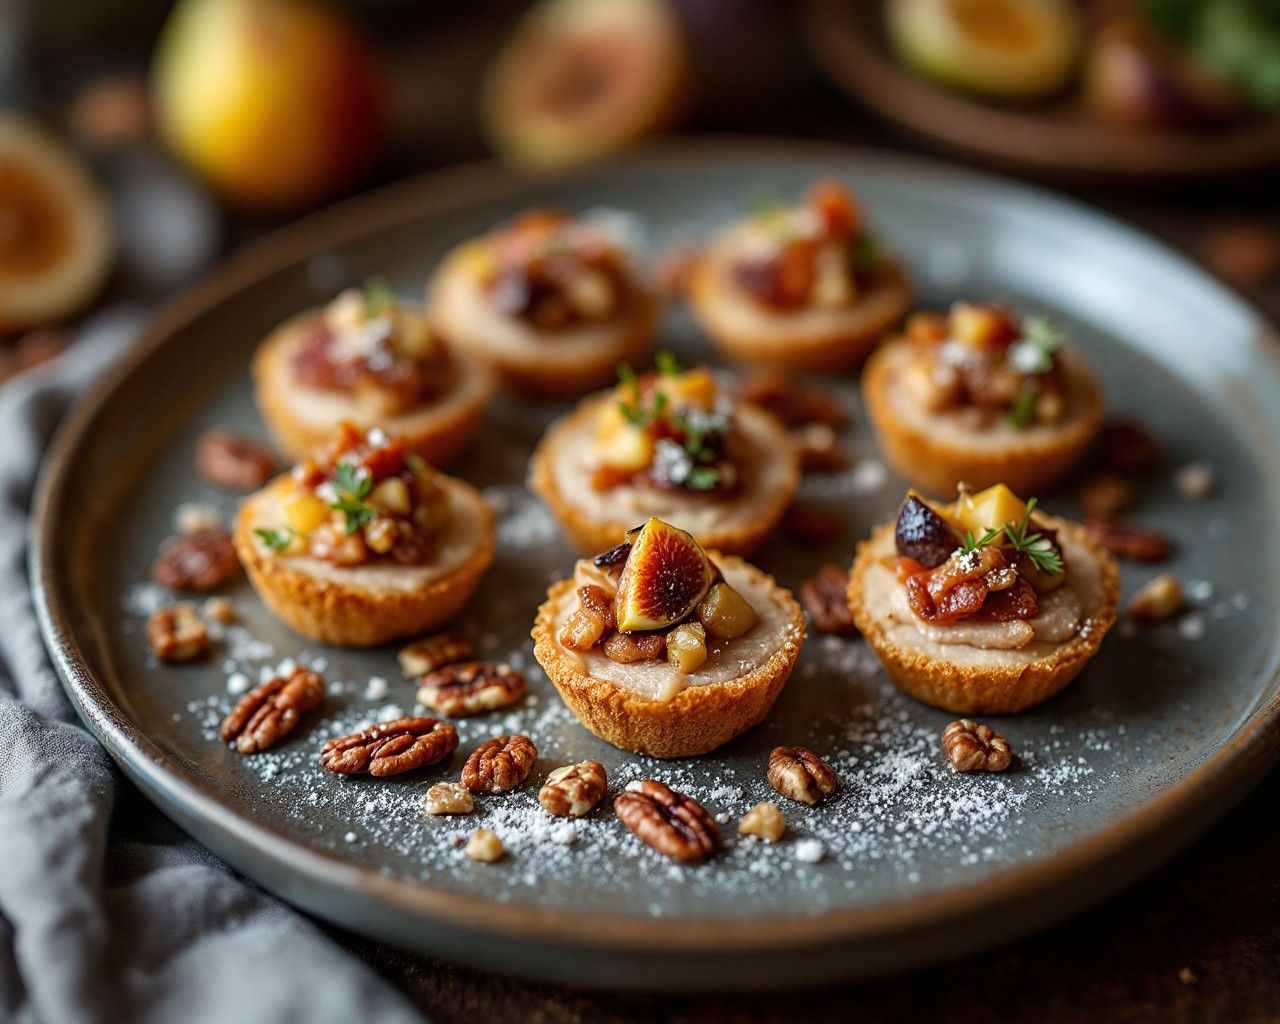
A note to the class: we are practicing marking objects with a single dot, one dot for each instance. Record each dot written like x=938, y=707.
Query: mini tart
x=366, y=605
x=971, y=680
x=301, y=417
x=565, y=363
x=649, y=707
x=561, y=468
x=811, y=338
x=936, y=453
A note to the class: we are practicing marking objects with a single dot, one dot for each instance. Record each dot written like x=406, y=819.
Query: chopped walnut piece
x=176, y=633
x=235, y=461
x=673, y=824
x=810, y=524
x=1127, y=447
x=470, y=688
x=1106, y=496
x=572, y=791
x=435, y=652
x=1130, y=540
x=972, y=747
x=220, y=610
x=825, y=599
x=449, y=798
x=500, y=764
x=199, y=561
x=801, y=775
x=484, y=846
x=268, y=713
x=764, y=821
x=1158, y=599
x=583, y=628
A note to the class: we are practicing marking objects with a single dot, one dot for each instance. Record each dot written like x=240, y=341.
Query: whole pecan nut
x=435, y=652
x=227, y=459
x=675, y=825
x=1130, y=540
x=176, y=633
x=825, y=599
x=470, y=688
x=500, y=764
x=572, y=791
x=390, y=748
x=205, y=560
x=801, y=775
x=271, y=711
x=971, y=747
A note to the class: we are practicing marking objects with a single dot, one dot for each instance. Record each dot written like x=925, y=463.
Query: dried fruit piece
x=175, y=633
x=484, y=846
x=1129, y=540
x=673, y=824
x=237, y=461
x=269, y=712
x=584, y=627
x=500, y=764
x=199, y=561
x=725, y=613
x=1126, y=447
x=809, y=524
x=391, y=748
x=824, y=598
x=1106, y=496
x=1158, y=599
x=801, y=775
x=665, y=576
x=687, y=647
x=626, y=649
x=449, y=798
x=922, y=534
x=572, y=791
x=435, y=652
x=764, y=821
x=470, y=688
x=972, y=747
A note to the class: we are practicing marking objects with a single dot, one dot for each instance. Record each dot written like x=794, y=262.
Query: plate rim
x=1213, y=786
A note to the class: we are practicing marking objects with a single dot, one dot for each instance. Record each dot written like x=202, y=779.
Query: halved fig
x=666, y=576
x=56, y=237
x=923, y=535
x=582, y=78
x=1015, y=49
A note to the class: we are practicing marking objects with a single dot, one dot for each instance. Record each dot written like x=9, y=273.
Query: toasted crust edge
x=697, y=719
x=346, y=616
x=972, y=691
x=591, y=535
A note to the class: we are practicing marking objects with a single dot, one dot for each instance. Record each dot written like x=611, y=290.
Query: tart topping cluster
x=655, y=595
x=669, y=430
x=366, y=499
x=818, y=254
x=555, y=271
x=985, y=573
x=987, y=363
x=381, y=352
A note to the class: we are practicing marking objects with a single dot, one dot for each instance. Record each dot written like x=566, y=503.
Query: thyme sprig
x=276, y=541
x=351, y=487
x=1036, y=546
x=378, y=296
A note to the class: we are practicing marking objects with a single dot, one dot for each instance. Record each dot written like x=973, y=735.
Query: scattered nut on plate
x=674, y=824
x=764, y=821
x=391, y=748
x=574, y=790
x=435, y=652
x=457, y=691
x=500, y=764
x=801, y=775
x=268, y=713
x=825, y=599
x=449, y=798
x=1157, y=599
x=201, y=561
x=176, y=633
x=971, y=747
x=484, y=846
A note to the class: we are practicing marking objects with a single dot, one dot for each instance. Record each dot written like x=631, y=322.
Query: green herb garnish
x=632, y=404
x=352, y=487
x=276, y=541
x=668, y=365
x=703, y=478
x=1045, y=336
x=1023, y=410
x=377, y=296
x=1036, y=546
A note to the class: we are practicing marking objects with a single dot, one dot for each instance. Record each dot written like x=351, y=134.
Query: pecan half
x=468, y=689
x=435, y=652
x=801, y=775
x=271, y=711
x=390, y=748
x=176, y=633
x=572, y=791
x=824, y=598
x=227, y=459
x=205, y=560
x=675, y=825
x=1106, y=496
x=971, y=747
x=1129, y=540
x=791, y=403
x=500, y=764
x=1127, y=447
x=810, y=524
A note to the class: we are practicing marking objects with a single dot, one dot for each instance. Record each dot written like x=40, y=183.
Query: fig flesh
x=923, y=535
x=666, y=576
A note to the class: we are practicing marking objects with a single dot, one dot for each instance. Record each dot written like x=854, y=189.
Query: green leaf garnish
x=352, y=488
x=1023, y=410
x=703, y=478
x=377, y=296
x=276, y=541
x=668, y=365
x=632, y=405
x=1036, y=546
x=1043, y=334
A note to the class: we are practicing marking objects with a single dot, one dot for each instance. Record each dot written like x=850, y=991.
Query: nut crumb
x=484, y=846
x=175, y=633
x=219, y=609
x=449, y=798
x=764, y=821
x=192, y=517
x=1195, y=481
x=1187, y=976
x=1157, y=600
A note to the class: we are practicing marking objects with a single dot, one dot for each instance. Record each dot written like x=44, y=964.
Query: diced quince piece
x=990, y=509
x=305, y=513
x=982, y=325
x=392, y=495
x=687, y=647
x=665, y=577
x=693, y=387
x=622, y=445
x=725, y=613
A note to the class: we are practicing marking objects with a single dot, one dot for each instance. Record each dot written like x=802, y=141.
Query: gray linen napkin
x=108, y=912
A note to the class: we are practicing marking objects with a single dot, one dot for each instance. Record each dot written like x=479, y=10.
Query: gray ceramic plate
x=1164, y=731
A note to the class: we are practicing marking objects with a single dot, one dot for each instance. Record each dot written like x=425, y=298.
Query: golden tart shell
x=936, y=454
x=591, y=526
x=969, y=680
x=695, y=720
x=301, y=418
x=363, y=606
